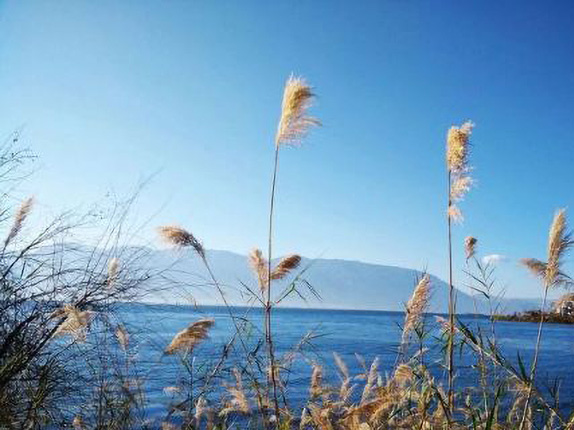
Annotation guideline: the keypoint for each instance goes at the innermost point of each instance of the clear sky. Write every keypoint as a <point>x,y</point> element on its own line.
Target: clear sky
<point>110,92</point>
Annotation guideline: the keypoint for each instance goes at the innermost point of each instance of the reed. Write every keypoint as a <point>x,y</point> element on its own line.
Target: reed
<point>294,124</point>
<point>190,337</point>
<point>459,182</point>
<point>19,219</point>
<point>559,242</point>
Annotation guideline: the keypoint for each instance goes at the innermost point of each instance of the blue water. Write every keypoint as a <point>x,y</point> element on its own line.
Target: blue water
<point>368,333</point>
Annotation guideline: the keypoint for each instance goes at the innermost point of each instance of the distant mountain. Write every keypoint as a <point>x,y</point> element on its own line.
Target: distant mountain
<point>342,284</point>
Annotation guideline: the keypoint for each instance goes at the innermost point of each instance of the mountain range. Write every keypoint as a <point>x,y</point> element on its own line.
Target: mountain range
<point>325,283</point>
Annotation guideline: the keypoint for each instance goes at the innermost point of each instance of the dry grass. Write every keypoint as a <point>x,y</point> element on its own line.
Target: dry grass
<point>417,306</point>
<point>285,266</point>
<point>189,338</point>
<point>470,246</point>
<point>19,219</point>
<point>181,238</point>
<point>295,122</point>
<point>75,323</point>
<point>259,266</point>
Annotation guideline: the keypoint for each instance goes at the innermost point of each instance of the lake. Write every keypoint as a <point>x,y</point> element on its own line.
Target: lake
<point>368,333</point>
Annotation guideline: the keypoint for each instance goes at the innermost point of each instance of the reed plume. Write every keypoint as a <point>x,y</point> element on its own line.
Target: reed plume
<point>286,265</point>
<point>416,307</point>
<point>372,377</point>
<point>113,268</point>
<point>295,122</point>
<point>341,365</point>
<point>19,219</point>
<point>457,158</point>
<point>403,374</point>
<point>238,402</point>
<point>76,322</point>
<point>78,423</point>
<point>189,338</point>
<point>123,337</point>
<point>470,247</point>
<point>258,264</point>
<point>181,238</point>
<point>559,242</point>
<point>316,386</point>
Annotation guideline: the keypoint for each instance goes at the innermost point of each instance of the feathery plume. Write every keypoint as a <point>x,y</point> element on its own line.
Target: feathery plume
<point>458,147</point>
<point>316,387</point>
<point>238,402</point>
<point>341,365</point>
<point>19,219</point>
<point>559,241</point>
<point>536,267</point>
<point>123,337</point>
<point>416,306</point>
<point>189,338</point>
<point>172,389</point>
<point>371,380</point>
<point>182,238</point>
<point>285,266</point>
<point>294,122</point>
<point>76,322</point>
<point>403,374</point>
<point>444,324</point>
<point>78,423</point>
<point>454,213</point>
<point>470,246</point>
<point>259,266</point>
<point>203,409</point>
<point>113,266</point>
<point>457,158</point>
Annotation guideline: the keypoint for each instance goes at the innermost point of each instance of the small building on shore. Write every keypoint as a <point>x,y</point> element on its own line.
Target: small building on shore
<point>564,305</point>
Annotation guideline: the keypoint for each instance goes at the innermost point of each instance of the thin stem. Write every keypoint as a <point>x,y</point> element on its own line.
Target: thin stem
<point>451,308</point>
<point>535,360</point>
<point>268,333</point>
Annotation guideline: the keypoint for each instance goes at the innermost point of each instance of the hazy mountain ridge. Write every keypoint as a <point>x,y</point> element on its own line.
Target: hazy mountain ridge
<point>342,284</point>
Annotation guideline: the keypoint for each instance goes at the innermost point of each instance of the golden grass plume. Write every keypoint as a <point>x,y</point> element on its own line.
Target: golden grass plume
<point>285,266</point>
<point>113,269</point>
<point>417,305</point>
<point>295,122</point>
<point>19,219</point>
<point>457,158</point>
<point>123,337</point>
<point>316,386</point>
<point>403,374</point>
<point>458,147</point>
<point>238,399</point>
<point>470,246</point>
<point>190,337</point>
<point>559,241</point>
<point>258,264</point>
<point>177,236</point>
<point>75,324</point>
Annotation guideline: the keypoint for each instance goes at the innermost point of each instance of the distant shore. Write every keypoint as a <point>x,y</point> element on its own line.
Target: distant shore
<point>534,316</point>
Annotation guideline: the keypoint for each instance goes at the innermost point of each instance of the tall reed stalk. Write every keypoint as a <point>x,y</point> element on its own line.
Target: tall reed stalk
<point>294,123</point>
<point>459,182</point>
<point>559,241</point>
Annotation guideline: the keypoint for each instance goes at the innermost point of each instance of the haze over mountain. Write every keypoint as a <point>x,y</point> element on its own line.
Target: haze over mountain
<point>341,284</point>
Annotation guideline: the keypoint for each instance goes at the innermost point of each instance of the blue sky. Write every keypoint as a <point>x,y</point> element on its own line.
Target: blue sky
<point>110,92</point>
